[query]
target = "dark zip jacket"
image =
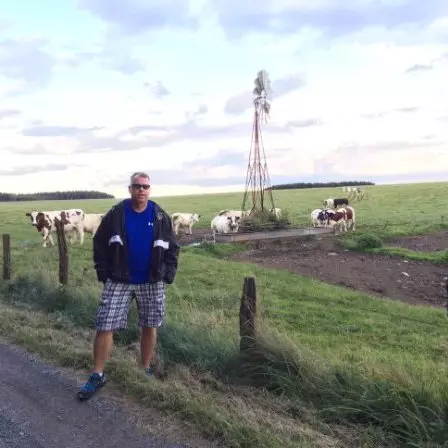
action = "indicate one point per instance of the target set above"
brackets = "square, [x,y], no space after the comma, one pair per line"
[110,247]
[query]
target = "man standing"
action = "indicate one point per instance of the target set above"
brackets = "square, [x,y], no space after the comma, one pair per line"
[135,253]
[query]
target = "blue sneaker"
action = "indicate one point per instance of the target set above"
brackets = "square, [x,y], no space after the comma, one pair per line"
[95,382]
[149,373]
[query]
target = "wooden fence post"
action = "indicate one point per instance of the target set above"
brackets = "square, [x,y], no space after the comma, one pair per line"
[63,252]
[248,311]
[6,256]
[446,285]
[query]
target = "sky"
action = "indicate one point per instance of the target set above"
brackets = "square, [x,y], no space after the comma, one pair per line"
[94,90]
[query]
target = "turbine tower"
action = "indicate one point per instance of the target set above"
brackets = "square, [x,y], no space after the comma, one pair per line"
[257,177]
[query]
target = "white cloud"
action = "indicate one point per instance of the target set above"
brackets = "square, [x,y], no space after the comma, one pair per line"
[370,102]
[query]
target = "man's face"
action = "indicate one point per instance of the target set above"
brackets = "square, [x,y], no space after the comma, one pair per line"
[140,189]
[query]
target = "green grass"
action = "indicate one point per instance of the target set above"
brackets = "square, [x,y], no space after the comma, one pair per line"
[391,210]
[387,210]
[332,365]
[371,243]
[436,257]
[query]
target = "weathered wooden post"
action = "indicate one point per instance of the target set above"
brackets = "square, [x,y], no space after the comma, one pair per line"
[6,256]
[248,311]
[63,252]
[446,285]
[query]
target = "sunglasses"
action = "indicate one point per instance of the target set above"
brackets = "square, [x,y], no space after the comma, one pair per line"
[140,186]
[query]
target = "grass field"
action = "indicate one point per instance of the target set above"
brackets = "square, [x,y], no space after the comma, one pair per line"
[337,367]
[391,209]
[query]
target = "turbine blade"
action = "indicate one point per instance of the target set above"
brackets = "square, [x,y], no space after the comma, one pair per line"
[263,78]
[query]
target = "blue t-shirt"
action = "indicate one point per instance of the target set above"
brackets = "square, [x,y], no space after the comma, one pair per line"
[140,238]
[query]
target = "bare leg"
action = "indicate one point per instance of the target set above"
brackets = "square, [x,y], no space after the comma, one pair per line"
[101,349]
[148,341]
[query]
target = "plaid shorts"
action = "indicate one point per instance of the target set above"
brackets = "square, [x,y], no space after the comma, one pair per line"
[112,313]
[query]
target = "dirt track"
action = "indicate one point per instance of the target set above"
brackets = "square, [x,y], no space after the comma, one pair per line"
[414,282]
[38,408]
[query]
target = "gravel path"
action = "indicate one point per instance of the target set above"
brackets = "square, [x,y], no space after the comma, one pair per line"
[38,407]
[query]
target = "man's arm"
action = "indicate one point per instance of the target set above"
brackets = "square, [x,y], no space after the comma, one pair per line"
[100,244]
[171,255]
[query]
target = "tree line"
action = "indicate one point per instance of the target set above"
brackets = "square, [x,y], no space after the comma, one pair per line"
[301,185]
[54,196]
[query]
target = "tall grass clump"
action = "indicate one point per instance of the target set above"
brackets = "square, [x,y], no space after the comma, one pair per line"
[76,303]
[363,242]
[341,393]
[38,291]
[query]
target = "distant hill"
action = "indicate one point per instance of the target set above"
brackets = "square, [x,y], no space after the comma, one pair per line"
[302,185]
[54,196]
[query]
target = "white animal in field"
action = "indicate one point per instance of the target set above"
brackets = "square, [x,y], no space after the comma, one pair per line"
[319,218]
[343,219]
[92,221]
[358,193]
[276,211]
[351,218]
[225,224]
[338,220]
[335,203]
[184,221]
[45,223]
[239,213]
